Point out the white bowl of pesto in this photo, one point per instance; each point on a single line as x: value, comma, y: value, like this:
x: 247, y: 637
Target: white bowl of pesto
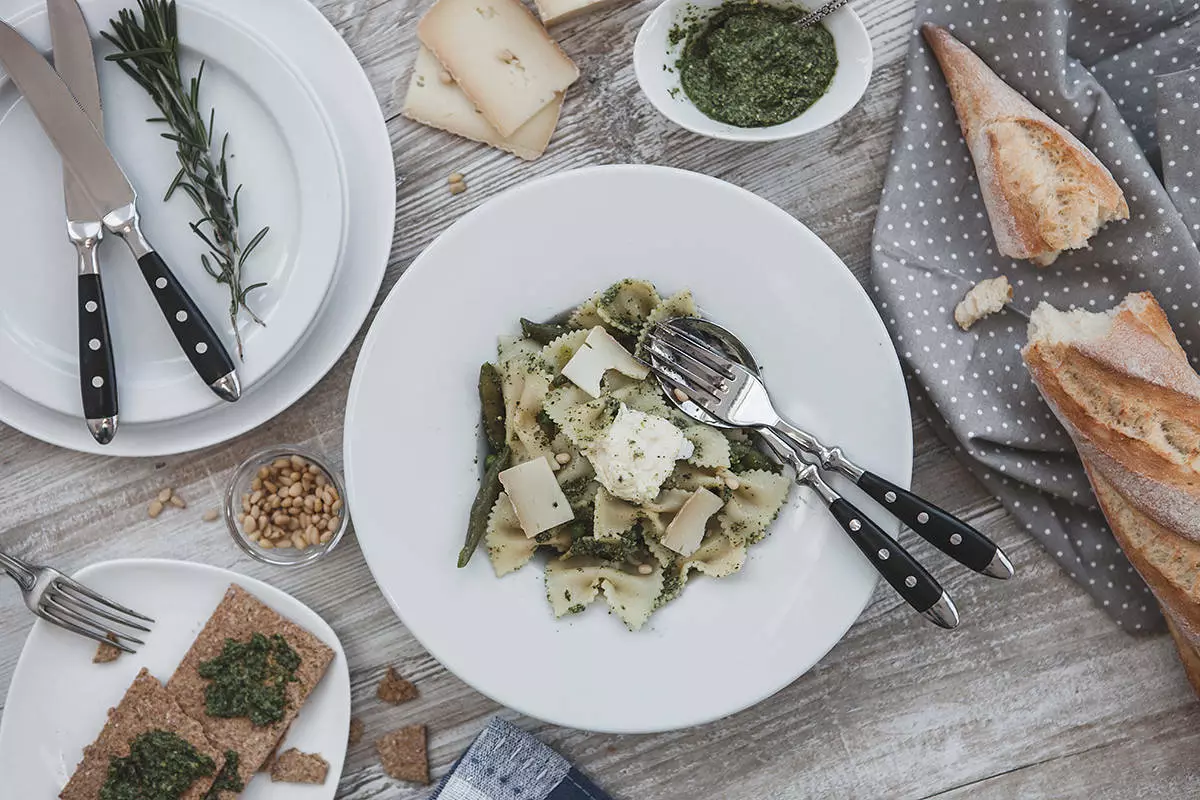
x: 661, y: 45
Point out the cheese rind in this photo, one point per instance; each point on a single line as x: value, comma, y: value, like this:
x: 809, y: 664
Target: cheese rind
x: 686, y: 530
x: 554, y: 11
x: 600, y: 353
x: 635, y: 455
x: 500, y: 56
x: 434, y: 99
x: 536, y: 497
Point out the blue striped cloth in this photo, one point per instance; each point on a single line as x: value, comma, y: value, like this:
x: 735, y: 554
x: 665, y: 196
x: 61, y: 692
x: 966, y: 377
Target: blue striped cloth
x: 506, y: 763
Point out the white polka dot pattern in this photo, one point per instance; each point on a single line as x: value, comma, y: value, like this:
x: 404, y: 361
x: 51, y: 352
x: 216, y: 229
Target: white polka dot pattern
x: 1120, y: 75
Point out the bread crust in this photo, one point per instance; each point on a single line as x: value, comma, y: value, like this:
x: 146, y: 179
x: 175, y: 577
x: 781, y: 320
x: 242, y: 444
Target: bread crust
x: 990, y: 114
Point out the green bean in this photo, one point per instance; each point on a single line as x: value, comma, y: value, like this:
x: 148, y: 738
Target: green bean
x: 491, y: 403
x: 481, y: 509
x: 542, y: 332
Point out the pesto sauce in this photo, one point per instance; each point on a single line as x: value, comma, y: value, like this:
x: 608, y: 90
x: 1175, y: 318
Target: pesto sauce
x: 749, y: 65
x: 227, y: 779
x: 160, y: 766
x: 249, y: 679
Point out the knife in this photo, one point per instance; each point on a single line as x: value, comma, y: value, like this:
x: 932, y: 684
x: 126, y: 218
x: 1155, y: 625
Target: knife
x: 114, y: 201
x: 76, y: 64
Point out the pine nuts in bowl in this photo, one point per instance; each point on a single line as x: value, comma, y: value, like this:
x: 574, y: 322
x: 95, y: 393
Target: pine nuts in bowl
x: 285, y: 506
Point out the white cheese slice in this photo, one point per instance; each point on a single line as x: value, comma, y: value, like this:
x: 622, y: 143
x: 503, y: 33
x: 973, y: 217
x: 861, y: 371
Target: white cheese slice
x: 686, y: 530
x: 434, y: 99
x: 552, y: 11
x: 536, y: 496
x: 635, y: 455
x: 500, y: 56
x: 600, y: 353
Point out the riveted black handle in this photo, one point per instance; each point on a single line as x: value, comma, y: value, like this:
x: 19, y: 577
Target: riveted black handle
x: 197, y: 338
x: 940, y: 528
x: 97, y: 368
x: 910, y: 580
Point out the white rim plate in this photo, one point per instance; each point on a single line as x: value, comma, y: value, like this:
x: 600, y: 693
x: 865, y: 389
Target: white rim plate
x: 279, y: 149
x: 412, y: 440
x: 58, y: 700
x: 301, y: 36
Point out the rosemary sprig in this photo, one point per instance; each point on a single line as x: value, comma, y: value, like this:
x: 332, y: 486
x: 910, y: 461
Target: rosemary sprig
x: 148, y: 51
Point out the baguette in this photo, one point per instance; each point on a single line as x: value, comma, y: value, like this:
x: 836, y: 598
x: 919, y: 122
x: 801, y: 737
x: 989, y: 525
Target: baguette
x: 1122, y: 387
x: 1045, y: 192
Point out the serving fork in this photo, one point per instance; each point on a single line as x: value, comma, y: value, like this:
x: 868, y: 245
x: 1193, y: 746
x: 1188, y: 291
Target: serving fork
x: 63, y: 601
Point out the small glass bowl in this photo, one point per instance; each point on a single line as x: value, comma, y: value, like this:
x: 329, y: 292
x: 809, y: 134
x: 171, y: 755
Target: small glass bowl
x: 240, y: 485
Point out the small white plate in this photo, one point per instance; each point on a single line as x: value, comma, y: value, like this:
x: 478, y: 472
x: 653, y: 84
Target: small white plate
x: 280, y: 150
x: 654, y: 60
x: 58, y: 700
x: 412, y: 443
x: 299, y: 34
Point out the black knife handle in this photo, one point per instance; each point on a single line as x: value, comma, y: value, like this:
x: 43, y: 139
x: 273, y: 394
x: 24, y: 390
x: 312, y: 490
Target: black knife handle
x: 97, y: 368
x: 940, y: 528
x: 193, y: 332
x: 910, y: 580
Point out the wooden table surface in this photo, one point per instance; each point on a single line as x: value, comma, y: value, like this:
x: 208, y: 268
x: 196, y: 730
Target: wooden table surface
x: 1037, y: 694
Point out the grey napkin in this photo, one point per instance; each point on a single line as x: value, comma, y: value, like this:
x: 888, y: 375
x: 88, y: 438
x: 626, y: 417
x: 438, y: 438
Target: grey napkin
x: 1120, y: 75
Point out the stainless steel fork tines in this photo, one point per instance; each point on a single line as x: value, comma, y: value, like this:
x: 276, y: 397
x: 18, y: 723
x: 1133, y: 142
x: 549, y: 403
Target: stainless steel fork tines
x: 63, y: 601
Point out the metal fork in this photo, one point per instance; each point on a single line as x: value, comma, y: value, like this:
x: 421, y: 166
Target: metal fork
x: 63, y: 601
x: 737, y: 396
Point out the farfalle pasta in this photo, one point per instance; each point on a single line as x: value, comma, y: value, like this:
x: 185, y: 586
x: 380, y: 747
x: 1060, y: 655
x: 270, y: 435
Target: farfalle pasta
x: 620, y: 460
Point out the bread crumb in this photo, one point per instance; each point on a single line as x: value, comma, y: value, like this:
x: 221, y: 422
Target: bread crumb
x: 984, y: 299
x: 395, y: 689
x: 404, y: 756
x: 106, y: 652
x: 356, y: 731
x: 292, y: 766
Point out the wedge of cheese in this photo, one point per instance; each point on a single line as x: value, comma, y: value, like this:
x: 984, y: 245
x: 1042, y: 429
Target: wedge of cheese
x: 552, y: 11
x: 500, y: 56
x: 536, y: 497
x: 600, y: 353
x: 686, y: 530
x: 434, y: 99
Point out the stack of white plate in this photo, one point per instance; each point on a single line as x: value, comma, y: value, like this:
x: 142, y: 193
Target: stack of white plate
x: 308, y: 142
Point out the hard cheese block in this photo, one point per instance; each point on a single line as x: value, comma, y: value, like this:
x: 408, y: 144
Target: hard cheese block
x: 552, y: 11
x: 434, y: 99
x: 500, y: 56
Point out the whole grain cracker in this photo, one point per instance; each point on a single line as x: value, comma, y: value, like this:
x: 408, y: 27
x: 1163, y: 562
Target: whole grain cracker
x: 107, y: 653
x: 357, y: 729
x: 396, y: 689
x: 404, y: 755
x: 292, y: 766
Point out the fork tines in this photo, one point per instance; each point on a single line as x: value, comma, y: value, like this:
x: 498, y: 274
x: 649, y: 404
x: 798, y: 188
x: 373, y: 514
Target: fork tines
x: 77, y: 608
x: 691, y: 365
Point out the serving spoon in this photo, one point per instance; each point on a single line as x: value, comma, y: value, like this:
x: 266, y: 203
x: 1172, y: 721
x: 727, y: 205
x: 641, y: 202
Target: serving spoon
x: 895, y: 564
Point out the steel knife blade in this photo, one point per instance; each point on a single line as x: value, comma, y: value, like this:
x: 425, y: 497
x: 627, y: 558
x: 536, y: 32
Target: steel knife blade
x: 75, y: 62
x: 81, y: 147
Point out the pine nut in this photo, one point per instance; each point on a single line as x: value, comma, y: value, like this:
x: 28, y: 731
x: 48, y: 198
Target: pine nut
x: 256, y: 484
x: 210, y: 515
x: 321, y: 480
x: 263, y: 472
x: 298, y: 463
x: 156, y: 508
x: 298, y: 541
x: 645, y: 569
x: 250, y: 525
x: 337, y: 505
x: 281, y: 463
x: 165, y: 495
x: 295, y: 490
x: 178, y: 501
x: 733, y: 483
x: 312, y: 535
x: 334, y: 522
x: 265, y: 544
x: 326, y: 536
x: 563, y: 458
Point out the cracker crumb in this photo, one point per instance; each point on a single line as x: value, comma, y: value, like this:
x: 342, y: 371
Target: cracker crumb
x: 357, y: 729
x: 394, y: 689
x: 404, y: 756
x: 106, y: 652
x: 292, y: 766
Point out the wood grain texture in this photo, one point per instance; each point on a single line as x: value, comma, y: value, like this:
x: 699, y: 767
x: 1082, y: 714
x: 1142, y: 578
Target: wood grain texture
x: 1036, y: 695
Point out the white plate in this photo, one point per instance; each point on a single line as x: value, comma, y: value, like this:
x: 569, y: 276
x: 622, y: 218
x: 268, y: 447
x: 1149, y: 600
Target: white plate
x: 300, y: 35
x: 412, y: 440
x: 58, y: 699
x: 279, y: 149
x: 654, y: 60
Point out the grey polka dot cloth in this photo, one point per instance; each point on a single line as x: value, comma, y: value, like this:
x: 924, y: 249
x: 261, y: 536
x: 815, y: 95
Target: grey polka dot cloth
x: 1122, y: 76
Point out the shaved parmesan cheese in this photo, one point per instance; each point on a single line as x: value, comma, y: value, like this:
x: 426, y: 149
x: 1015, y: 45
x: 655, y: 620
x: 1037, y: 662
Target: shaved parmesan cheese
x: 434, y: 99
x: 600, y: 353
x: 686, y: 531
x: 500, y: 56
x: 536, y: 497
x: 552, y: 11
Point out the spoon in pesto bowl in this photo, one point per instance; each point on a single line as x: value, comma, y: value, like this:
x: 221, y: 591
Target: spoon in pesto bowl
x: 824, y: 72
